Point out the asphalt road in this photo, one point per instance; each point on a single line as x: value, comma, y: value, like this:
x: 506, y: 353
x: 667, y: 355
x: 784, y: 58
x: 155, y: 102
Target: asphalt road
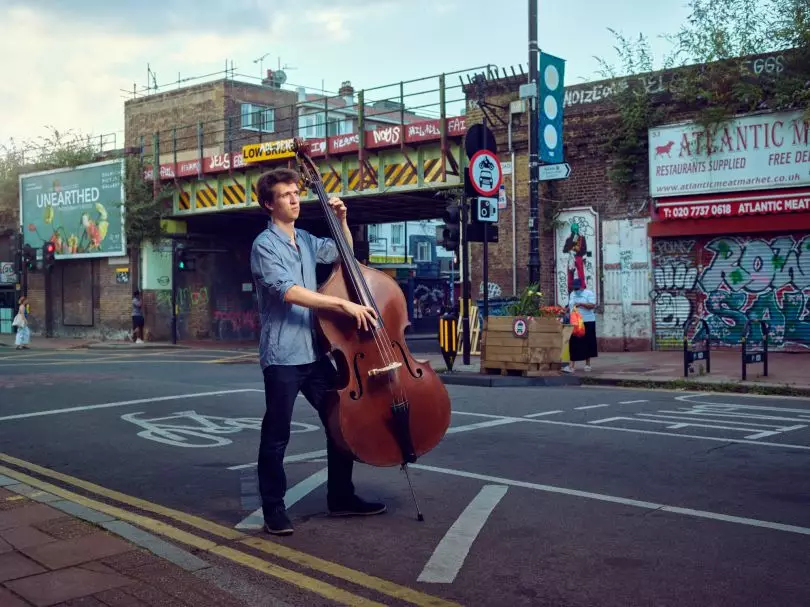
x: 567, y: 497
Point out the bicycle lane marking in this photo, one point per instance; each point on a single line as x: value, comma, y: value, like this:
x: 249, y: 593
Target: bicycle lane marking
x: 125, y: 403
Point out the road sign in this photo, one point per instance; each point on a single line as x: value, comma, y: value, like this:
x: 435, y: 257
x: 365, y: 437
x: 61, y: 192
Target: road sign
x: 487, y: 209
x: 502, y: 197
x: 485, y: 173
x: 479, y: 137
x: 550, y: 106
x: 475, y: 232
x: 554, y: 171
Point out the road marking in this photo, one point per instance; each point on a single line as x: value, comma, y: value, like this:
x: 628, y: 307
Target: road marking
x: 542, y: 414
x: 635, y: 431
x: 449, y: 555
x: 124, y: 403
x: 359, y: 578
x: 255, y: 520
x: 287, y: 575
x: 301, y: 457
x: 717, y: 413
x: 632, y: 402
x: 740, y: 520
x: 590, y: 407
x: 479, y: 425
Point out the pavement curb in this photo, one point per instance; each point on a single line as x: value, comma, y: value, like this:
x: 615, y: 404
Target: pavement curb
x: 157, y: 546
x: 482, y: 380
x: 132, y: 346
x: 700, y: 386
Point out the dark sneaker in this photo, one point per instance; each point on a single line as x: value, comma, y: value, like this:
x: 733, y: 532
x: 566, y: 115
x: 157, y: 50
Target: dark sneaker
x: 278, y: 523
x: 355, y: 507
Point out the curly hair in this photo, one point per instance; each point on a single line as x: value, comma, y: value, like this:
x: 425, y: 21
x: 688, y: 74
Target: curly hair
x: 264, y: 186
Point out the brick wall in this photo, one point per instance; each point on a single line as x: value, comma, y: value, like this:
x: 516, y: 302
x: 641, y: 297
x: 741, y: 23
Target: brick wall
x: 283, y: 101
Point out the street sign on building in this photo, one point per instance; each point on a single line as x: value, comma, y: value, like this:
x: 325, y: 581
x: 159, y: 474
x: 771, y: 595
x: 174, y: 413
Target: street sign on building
x: 486, y: 175
x: 549, y: 172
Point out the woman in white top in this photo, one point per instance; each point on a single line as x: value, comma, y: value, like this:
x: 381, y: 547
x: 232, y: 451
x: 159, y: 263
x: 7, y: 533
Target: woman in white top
x: 21, y: 323
x: 582, y: 347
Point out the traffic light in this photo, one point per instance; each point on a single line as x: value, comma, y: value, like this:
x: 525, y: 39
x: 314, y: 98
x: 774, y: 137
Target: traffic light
x: 48, y: 255
x: 182, y: 260
x: 451, y: 234
x: 29, y: 257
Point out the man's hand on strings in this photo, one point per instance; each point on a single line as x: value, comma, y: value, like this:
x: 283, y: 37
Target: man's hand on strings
x: 364, y: 315
x: 338, y: 207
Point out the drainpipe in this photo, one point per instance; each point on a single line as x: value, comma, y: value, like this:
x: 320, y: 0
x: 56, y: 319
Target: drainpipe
x: 514, y: 209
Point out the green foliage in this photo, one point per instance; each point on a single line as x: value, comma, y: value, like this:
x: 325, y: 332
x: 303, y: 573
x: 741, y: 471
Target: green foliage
x: 144, y: 210
x: 532, y: 303
x: 715, y: 77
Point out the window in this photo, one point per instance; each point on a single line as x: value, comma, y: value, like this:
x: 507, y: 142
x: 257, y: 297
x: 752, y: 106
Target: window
x: 258, y: 118
x: 398, y: 234
x: 423, y: 252
x: 311, y: 126
x: 373, y: 232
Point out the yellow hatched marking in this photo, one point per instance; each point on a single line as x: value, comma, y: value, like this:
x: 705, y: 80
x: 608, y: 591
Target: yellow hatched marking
x: 206, y: 196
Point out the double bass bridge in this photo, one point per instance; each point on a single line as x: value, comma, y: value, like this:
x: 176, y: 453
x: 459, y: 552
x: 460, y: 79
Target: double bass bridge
x: 384, y: 370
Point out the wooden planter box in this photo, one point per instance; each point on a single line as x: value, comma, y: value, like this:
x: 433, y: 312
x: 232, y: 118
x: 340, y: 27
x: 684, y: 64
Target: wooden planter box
x: 538, y: 352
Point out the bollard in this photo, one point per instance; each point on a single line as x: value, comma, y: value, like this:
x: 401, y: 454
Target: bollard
x: 448, y: 338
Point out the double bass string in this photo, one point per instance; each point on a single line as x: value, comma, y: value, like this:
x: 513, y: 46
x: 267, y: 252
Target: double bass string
x: 381, y: 342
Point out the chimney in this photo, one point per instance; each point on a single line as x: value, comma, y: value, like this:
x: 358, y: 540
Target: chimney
x: 346, y: 91
x: 302, y: 93
x: 268, y: 80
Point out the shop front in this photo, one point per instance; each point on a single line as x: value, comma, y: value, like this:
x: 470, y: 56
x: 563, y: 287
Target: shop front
x: 730, y: 231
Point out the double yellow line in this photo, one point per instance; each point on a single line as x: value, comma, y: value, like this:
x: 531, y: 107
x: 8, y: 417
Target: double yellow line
x: 305, y: 582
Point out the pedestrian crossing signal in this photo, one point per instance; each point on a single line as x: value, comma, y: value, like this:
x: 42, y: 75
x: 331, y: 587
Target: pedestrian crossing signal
x: 448, y: 339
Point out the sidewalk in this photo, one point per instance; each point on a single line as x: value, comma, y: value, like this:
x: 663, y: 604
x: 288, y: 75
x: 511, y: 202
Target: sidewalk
x: 50, y: 556
x: 788, y: 373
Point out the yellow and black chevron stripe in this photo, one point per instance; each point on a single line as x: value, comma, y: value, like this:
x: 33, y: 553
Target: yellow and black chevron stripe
x: 183, y: 200
x: 233, y: 193
x: 370, y: 179
x: 332, y: 182
x: 448, y: 334
x: 254, y: 195
x: 433, y: 170
x: 206, y: 197
x: 400, y: 174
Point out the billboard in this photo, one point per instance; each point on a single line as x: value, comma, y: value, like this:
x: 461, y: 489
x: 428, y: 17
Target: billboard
x: 757, y: 152
x: 79, y: 209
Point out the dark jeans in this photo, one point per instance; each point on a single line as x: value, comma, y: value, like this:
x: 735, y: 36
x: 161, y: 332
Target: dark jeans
x: 281, y: 386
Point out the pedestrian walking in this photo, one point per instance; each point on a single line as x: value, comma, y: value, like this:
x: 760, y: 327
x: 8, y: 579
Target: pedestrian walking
x: 582, y: 347
x: 20, y: 322
x: 137, y: 317
x: 283, y: 260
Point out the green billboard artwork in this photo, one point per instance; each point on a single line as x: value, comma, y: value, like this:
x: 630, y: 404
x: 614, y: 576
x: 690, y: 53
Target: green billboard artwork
x: 79, y: 209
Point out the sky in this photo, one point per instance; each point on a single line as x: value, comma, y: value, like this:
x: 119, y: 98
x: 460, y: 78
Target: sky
x: 68, y: 63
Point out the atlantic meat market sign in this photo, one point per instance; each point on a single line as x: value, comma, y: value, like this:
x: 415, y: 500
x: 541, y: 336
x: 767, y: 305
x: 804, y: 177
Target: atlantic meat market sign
x: 750, y: 153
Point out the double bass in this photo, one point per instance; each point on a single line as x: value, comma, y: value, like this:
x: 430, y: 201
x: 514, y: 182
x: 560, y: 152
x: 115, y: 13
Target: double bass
x: 389, y: 408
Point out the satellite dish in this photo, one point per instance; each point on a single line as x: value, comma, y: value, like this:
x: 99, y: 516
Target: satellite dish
x: 279, y: 77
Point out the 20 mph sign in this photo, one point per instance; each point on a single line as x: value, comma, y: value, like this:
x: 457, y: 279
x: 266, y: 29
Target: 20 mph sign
x: 486, y: 174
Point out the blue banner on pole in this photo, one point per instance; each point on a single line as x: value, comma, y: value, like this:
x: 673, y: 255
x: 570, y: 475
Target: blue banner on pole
x: 551, y: 81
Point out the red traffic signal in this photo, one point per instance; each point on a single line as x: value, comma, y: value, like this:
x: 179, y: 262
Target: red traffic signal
x: 48, y: 254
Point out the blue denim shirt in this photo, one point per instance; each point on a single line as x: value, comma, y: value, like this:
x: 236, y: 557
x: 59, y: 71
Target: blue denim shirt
x: 288, y: 330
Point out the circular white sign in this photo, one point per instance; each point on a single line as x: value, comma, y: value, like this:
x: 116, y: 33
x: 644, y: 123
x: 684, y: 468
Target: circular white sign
x: 550, y: 137
x: 552, y: 77
x: 519, y: 328
x: 485, y: 173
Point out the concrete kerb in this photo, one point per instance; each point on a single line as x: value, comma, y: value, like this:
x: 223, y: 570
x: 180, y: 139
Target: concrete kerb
x: 703, y: 385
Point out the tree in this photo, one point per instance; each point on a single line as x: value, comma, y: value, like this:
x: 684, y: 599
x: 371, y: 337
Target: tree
x: 715, y: 77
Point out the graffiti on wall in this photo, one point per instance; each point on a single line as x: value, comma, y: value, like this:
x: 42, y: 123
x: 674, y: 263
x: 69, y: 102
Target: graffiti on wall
x: 730, y: 280
x: 577, y: 252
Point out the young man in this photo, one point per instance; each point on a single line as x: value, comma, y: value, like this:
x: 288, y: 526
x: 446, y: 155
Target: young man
x: 283, y: 262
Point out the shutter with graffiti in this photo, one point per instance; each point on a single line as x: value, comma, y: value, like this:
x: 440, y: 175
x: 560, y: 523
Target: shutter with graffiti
x: 728, y: 280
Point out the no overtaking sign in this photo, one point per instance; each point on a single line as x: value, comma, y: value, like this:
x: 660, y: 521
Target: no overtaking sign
x: 486, y: 174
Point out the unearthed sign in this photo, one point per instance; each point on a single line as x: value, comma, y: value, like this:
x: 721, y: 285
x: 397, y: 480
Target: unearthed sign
x: 80, y: 210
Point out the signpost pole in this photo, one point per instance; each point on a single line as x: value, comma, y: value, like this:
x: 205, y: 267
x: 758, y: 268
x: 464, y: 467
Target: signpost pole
x: 174, y: 292
x: 486, y: 231
x: 465, y: 283
x: 534, y: 162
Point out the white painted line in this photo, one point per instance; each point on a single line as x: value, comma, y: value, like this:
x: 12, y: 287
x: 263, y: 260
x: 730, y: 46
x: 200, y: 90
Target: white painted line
x: 301, y: 457
x: 590, y: 407
x: 632, y: 402
x: 650, y: 432
x: 479, y: 425
x: 255, y: 520
x: 761, y: 435
x: 740, y: 520
x: 542, y: 414
x: 734, y: 406
x: 449, y: 555
x: 124, y: 403
x: 712, y: 413
x: 684, y: 417
x: 607, y: 419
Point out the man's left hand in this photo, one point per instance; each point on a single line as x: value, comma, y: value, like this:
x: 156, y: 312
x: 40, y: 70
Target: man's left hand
x: 338, y: 207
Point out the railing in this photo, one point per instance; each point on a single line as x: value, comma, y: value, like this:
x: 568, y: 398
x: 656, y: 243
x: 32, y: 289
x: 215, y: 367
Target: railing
x: 689, y: 354
x: 753, y: 358
x: 426, y: 104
